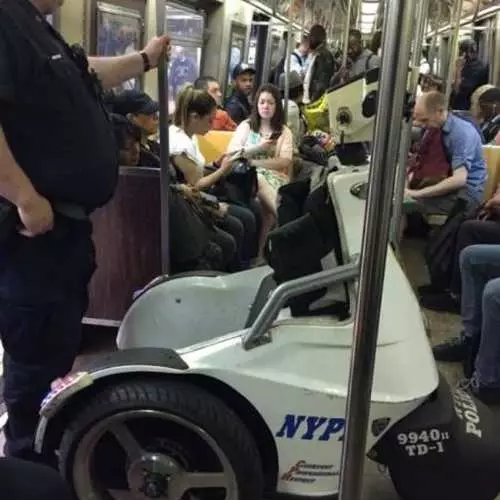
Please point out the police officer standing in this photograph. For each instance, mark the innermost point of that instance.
(58, 162)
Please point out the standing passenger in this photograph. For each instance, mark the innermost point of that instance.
(471, 73)
(58, 163)
(360, 60)
(320, 67)
(299, 56)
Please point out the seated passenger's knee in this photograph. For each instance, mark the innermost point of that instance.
(491, 294)
(467, 256)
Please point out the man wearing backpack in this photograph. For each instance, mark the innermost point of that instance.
(298, 60)
(463, 147)
(299, 57)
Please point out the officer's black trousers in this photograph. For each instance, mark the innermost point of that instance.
(43, 297)
(21, 480)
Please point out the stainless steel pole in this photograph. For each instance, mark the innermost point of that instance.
(288, 59)
(266, 68)
(433, 47)
(399, 192)
(391, 95)
(346, 33)
(454, 48)
(161, 20)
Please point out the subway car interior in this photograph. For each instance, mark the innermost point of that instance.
(219, 355)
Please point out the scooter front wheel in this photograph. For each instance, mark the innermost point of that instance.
(160, 439)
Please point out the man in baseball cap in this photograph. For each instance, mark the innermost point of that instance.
(238, 105)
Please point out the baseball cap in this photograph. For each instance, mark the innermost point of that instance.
(135, 102)
(294, 80)
(242, 68)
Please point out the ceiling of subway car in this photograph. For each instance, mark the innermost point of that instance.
(365, 14)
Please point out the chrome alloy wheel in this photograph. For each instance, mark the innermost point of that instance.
(151, 474)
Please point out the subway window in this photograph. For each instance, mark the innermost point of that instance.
(186, 28)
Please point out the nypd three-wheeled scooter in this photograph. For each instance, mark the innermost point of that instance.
(235, 387)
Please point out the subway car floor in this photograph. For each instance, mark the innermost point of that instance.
(377, 484)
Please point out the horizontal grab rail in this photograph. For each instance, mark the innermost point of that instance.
(286, 291)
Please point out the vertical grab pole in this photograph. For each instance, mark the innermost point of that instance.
(288, 58)
(423, 8)
(346, 33)
(433, 47)
(454, 48)
(391, 95)
(161, 20)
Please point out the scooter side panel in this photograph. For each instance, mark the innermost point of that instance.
(189, 310)
(298, 384)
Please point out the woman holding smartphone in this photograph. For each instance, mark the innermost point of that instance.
(193, 116)
(268, 143)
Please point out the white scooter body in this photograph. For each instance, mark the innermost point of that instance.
(298, 381)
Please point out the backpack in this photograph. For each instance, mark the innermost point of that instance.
(306, 214)
(434, 163)
(441, 249)
(431, 163)
(274, 77)
(239, 187)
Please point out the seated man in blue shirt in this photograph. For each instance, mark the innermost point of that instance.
(463, 148)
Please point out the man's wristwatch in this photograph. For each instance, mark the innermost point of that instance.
(145, 60)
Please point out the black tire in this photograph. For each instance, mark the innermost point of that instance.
(179, 399)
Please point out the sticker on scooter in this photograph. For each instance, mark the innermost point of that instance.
(305, 472)
(311, 428)
(68, 385)
(418, 444)
(467, 411)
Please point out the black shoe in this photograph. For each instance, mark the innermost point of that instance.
(430, 288)
(469, 362)
(451, 351)
(486, 394)
(441, 302)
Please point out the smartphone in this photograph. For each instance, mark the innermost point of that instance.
(236, 155)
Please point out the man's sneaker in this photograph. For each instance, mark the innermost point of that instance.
(451, 351)
(441, 302)
(488, 395)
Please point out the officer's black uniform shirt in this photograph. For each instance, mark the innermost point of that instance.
(50, 112)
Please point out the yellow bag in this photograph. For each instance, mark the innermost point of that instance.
(316, 115)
